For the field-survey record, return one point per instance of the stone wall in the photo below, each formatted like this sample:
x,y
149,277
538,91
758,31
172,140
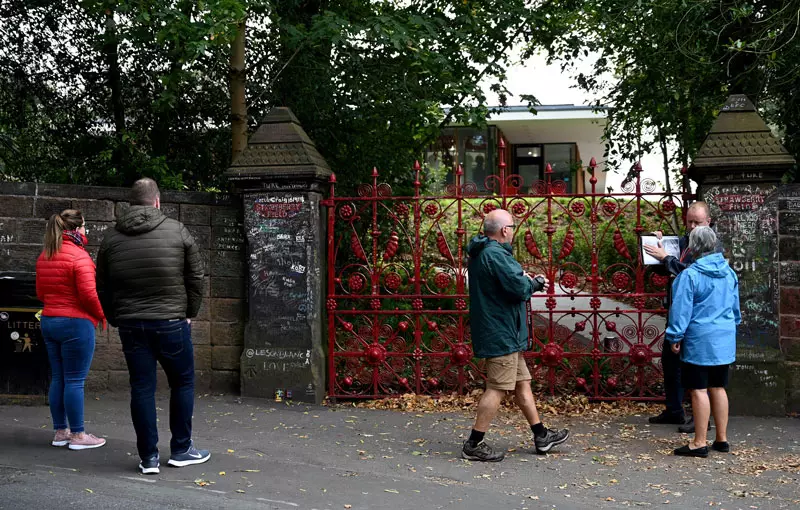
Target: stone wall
x,y
215,222
789,276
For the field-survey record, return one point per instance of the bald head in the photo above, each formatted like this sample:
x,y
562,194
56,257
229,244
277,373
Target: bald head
x,y
495,221
697,215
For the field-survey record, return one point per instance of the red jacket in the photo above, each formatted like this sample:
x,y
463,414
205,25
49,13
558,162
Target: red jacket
x,y
66,285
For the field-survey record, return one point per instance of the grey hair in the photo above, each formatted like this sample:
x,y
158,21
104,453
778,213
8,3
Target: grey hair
x,y
493,224
702,241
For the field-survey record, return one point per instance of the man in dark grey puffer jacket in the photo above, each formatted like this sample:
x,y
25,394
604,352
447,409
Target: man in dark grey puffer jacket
x,y
150,281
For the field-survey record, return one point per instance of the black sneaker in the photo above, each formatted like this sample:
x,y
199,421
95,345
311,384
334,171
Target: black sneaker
x,y
721,446
668,418
685,451
550,439
149,466
688,427
189,457
481,452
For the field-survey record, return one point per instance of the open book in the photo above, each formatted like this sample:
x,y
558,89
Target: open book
x,y
670,243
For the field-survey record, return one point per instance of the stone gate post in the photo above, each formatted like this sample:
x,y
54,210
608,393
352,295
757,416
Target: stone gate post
x,y
738,170
282,178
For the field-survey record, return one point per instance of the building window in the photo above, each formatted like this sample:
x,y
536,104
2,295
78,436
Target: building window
x,y
530,162
476,151
561,157
469,147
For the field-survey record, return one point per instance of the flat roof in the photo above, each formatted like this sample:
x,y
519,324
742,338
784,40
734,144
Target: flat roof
x,y
545,112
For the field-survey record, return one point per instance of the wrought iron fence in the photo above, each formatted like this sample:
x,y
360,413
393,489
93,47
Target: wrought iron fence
x,y
397,303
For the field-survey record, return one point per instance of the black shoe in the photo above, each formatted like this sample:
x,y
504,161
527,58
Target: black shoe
x,y
685,451
481,452
667,417
189,457
721,446
149,466
551,438
688,427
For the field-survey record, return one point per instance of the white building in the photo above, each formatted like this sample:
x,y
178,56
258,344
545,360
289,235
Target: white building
x,y
565,136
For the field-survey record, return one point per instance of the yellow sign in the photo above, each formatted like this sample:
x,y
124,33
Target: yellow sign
x,y
38,316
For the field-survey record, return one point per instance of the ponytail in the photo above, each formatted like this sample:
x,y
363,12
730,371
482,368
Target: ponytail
x,y
69,219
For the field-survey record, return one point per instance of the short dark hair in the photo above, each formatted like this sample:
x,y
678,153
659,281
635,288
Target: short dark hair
x,y
144,192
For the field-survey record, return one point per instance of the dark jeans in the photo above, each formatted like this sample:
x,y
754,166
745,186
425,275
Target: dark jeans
x,y
170,343
70,347
673,388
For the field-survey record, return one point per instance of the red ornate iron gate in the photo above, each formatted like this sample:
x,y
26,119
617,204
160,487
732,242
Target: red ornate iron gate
x,y
397,302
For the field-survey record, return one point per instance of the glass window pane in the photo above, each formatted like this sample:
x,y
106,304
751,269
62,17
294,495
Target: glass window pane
x,y
439,160
561,158
473,150
529,173
529,152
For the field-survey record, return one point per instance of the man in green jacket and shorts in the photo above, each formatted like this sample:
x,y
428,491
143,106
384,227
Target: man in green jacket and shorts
x,y
498,291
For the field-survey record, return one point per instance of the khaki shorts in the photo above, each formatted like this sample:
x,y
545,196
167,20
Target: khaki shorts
x,y
503,372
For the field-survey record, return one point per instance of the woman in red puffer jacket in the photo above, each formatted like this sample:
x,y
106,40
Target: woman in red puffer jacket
x,y
65,283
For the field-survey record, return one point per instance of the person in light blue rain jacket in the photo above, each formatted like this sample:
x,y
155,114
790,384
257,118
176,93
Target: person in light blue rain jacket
x,y
702,328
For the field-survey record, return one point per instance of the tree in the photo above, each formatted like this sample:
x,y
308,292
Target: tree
x,y
674,62
113,89
371,81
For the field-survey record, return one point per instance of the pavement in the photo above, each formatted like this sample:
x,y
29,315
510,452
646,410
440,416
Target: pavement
x,y
269,455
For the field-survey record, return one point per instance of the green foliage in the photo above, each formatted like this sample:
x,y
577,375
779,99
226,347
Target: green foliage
x,y
674,62
103,91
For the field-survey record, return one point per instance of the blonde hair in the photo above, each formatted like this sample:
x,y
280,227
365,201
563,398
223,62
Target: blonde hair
x,y
69,219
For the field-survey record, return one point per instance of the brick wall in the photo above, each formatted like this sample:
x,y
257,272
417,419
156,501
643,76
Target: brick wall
x,y
215,222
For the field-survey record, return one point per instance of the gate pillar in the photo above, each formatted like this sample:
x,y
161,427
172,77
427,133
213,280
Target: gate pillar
x,y
738,170
281,177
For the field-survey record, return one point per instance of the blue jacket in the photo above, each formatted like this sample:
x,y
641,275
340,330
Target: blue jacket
x,y
705,312
498,291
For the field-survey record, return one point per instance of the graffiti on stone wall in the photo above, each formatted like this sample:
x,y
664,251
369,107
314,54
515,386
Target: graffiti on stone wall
x,y
279,237
745,218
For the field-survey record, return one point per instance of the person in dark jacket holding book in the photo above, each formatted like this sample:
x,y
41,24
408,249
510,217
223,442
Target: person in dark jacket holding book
x,y
697,215
498,291
150,283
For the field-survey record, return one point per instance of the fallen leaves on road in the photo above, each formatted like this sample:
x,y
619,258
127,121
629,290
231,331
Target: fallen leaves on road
x,y
573,405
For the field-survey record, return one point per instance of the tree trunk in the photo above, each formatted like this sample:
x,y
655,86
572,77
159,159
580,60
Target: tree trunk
x,y
662,142
238,81
110,48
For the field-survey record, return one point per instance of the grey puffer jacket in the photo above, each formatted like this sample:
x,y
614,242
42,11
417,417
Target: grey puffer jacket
x,y
149,267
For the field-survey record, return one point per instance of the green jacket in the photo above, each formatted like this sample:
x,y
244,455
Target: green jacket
x,y
498,290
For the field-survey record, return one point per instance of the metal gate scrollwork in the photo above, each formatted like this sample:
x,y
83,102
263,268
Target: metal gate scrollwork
x,y
397,299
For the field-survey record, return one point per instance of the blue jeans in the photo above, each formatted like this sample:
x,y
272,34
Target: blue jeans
x,y
70,347
673,387
170,343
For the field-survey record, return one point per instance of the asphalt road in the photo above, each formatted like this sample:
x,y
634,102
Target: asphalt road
x,y
267,455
